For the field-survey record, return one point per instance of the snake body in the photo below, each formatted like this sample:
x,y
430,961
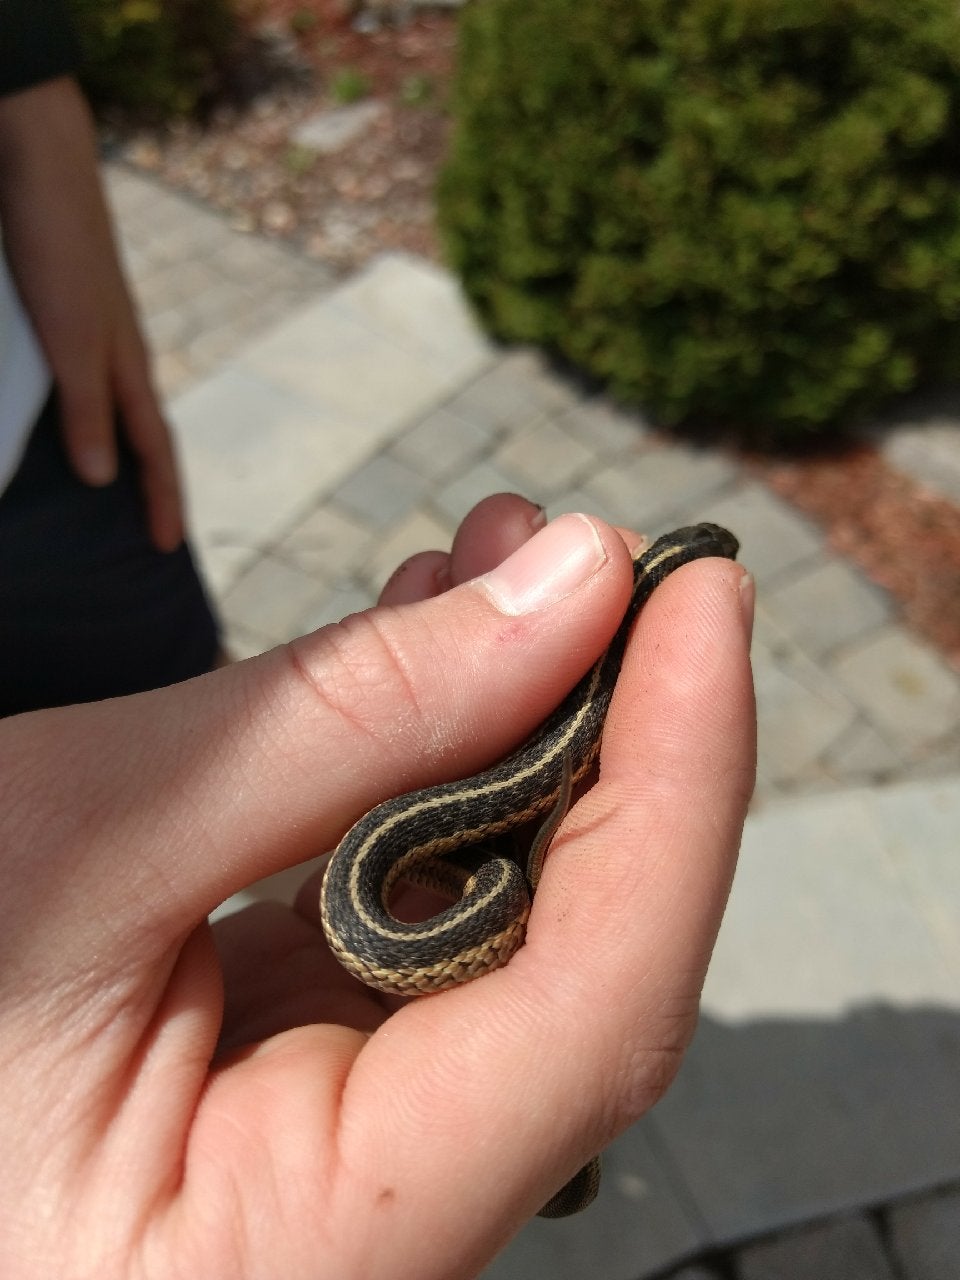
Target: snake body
x,y
426,836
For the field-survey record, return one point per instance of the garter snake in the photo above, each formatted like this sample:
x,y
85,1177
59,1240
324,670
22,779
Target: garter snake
x,y
426,836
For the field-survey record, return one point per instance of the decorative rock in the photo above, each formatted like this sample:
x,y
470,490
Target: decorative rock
x,y
330,130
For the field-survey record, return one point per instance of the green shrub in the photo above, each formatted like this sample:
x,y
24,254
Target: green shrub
x,y
152,58
740,210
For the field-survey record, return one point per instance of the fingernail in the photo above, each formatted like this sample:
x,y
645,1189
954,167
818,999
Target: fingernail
x,y
96,465
748,599
553,564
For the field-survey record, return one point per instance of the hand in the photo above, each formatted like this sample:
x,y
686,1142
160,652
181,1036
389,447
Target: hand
x,y
58,240
331,1133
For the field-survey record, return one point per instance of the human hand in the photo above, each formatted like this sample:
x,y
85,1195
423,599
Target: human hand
x,y
58,240
332,1134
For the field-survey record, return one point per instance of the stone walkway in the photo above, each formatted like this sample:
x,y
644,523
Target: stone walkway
x,y
329,432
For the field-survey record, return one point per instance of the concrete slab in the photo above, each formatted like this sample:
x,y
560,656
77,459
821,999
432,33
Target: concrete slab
x,y
925,1236
904,686
655,485
826,1071
605,428
543,459
327,543
271,599
799,716
826,605
420,309
254,455
772,536
382,491
639,1224
930,452
515,390
351,372
442,445
845,1249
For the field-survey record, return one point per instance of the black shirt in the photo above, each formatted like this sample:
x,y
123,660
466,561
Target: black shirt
x,y
37,43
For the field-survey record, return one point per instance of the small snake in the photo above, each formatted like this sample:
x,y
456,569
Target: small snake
x,y
426,837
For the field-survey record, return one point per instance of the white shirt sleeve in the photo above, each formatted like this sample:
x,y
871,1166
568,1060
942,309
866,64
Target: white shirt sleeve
x,y
24,377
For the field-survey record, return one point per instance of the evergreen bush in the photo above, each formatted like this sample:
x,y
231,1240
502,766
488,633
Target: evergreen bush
x,y
731,210
153,58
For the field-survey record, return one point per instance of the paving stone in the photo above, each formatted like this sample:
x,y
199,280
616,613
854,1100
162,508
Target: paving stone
x,y
837,931
128,196
212,346
579,500
826,1070
328,131
420,309
459,496
798,719
171,373
603,428
338,603
640,1223
352,372
254,455
845,1249
543,459
176,285
245,258
441,444
515,390
826,605
862,754
772,536
929,452
381,492
925,815
240,643
903,686
419,531
167,329
652,487
925,1236
694,1273
270,599
326,543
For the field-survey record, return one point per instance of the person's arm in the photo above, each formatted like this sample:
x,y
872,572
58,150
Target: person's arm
x,y
59,243
233,1104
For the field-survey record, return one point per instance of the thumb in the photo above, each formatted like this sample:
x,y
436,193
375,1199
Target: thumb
x,y
164,804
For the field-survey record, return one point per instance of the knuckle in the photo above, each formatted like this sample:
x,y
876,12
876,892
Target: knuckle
x,y
361,673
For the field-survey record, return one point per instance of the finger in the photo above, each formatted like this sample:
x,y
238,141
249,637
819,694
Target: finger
x,y
493,530
150,438
86,424
606,988
279,973
266,763
420,577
